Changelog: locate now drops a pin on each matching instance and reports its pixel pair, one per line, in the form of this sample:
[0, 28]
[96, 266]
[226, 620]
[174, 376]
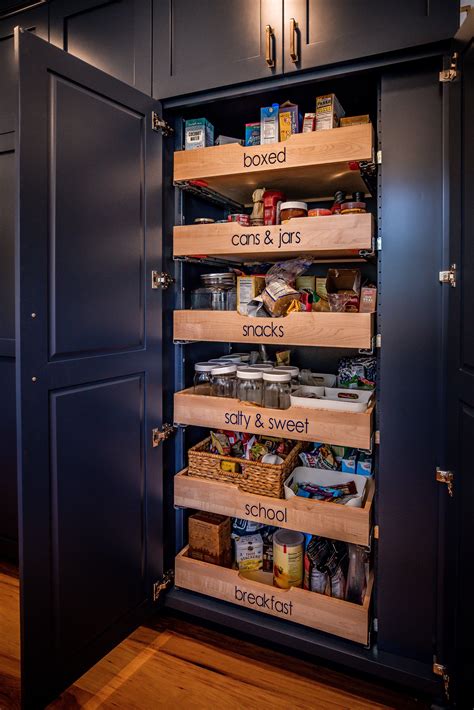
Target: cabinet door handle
[293, 41]
[270, 54]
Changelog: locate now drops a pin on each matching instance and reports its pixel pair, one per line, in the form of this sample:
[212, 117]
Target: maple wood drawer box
[209, 538]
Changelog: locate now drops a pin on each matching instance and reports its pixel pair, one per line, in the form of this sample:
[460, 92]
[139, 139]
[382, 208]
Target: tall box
[328, 112]
[209, 538]
[198, 133]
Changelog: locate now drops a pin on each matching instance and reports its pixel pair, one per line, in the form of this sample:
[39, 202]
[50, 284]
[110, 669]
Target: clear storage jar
[250, 385]
[293, 371]
[276, 389]
[202, 377]
[223, 381]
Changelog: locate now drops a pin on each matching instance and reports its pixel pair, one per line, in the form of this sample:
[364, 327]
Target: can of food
[319, 212]
[288, 553]
[243, 219]
[203, 220]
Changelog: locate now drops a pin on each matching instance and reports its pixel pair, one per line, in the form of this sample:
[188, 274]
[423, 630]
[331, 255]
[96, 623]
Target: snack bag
[279, 294]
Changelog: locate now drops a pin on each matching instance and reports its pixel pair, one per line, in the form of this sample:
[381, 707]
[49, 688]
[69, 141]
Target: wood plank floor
[9, 638]
[176, 664]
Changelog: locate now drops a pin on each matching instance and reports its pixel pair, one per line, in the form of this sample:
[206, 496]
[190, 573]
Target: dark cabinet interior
[114, 36]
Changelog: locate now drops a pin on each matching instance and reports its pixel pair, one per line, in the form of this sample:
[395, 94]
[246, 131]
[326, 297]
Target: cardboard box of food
[269, 124]
[354, 120]
[252, 133]
[345, 282]
[289, 120]
[199, 133]
[328, 112]
[210, 538]
[248, 287]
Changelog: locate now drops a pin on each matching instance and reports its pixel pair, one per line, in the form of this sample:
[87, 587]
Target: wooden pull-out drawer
[339, 522]
[324, 238]
[330, 330]
[255, 591]
[329, 426]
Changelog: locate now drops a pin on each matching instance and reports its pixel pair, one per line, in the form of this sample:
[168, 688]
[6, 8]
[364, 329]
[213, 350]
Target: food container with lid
[262, 366]
[292, 370]
[288, 552]
[249, 385]
[291, 210]
[243, 219]
[243, 357]
[319, 212]
[223, 380]
[353, 207]
[202, 377]
[204, 220]
[276, 389]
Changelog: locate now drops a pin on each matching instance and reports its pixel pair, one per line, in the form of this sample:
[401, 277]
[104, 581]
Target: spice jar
[293, 371]
[276, 389]
[290, 210]
[202, 376]
[250, 385]
[272, 200]
[223, 381]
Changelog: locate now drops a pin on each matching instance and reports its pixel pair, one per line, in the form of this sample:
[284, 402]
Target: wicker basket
[265, 479]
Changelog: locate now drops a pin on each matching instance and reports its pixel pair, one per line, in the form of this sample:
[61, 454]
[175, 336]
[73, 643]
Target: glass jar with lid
[250, 385]
[202, 376]
[276, 389]
[223, 380]
[294, 372]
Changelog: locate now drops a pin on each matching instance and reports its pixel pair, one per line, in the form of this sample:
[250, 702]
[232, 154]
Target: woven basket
[265, 479]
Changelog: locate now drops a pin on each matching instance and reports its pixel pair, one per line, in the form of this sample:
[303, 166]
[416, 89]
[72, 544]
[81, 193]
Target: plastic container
[249, 385]
[303, 474]
[292, 210]
[343, 400]
[276, 389]
[223, 381]
[272, 200]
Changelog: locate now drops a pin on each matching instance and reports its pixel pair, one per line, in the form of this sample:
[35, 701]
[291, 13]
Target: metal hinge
[162, 584]
[452, 73]
[159, 435]
[378, 340]
[379, 243]
[379, 157]
[439, 669]
[159, 124]
[448, 277]
[446, 477]
[161, 280]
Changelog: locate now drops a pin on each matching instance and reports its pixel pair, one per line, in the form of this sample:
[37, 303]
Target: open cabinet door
[89, 330]
[459, 618]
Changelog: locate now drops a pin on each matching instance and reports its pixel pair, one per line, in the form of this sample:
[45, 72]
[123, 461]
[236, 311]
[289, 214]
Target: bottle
[339, 198]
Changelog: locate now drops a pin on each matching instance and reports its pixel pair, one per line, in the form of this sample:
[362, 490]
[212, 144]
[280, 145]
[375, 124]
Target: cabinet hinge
[439, 669]
[451, 74]
[162, 584]
[159, 435]
[379, 157]
[379, 243]
[378, 340]
[159, 124]
[448, 277]
[161, 280]
[446, 477]
[377, 436]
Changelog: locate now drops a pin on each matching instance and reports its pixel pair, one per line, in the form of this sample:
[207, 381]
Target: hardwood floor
[9, 638]
[176, 664]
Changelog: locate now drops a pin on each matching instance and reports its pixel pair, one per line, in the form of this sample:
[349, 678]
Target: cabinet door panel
[88, 381]
[332, 31]
[212, 43]
[35, 20]
[114, 36]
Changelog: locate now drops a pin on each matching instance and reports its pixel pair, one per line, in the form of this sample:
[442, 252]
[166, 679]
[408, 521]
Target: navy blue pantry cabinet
[97, 522]
[88, 348]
